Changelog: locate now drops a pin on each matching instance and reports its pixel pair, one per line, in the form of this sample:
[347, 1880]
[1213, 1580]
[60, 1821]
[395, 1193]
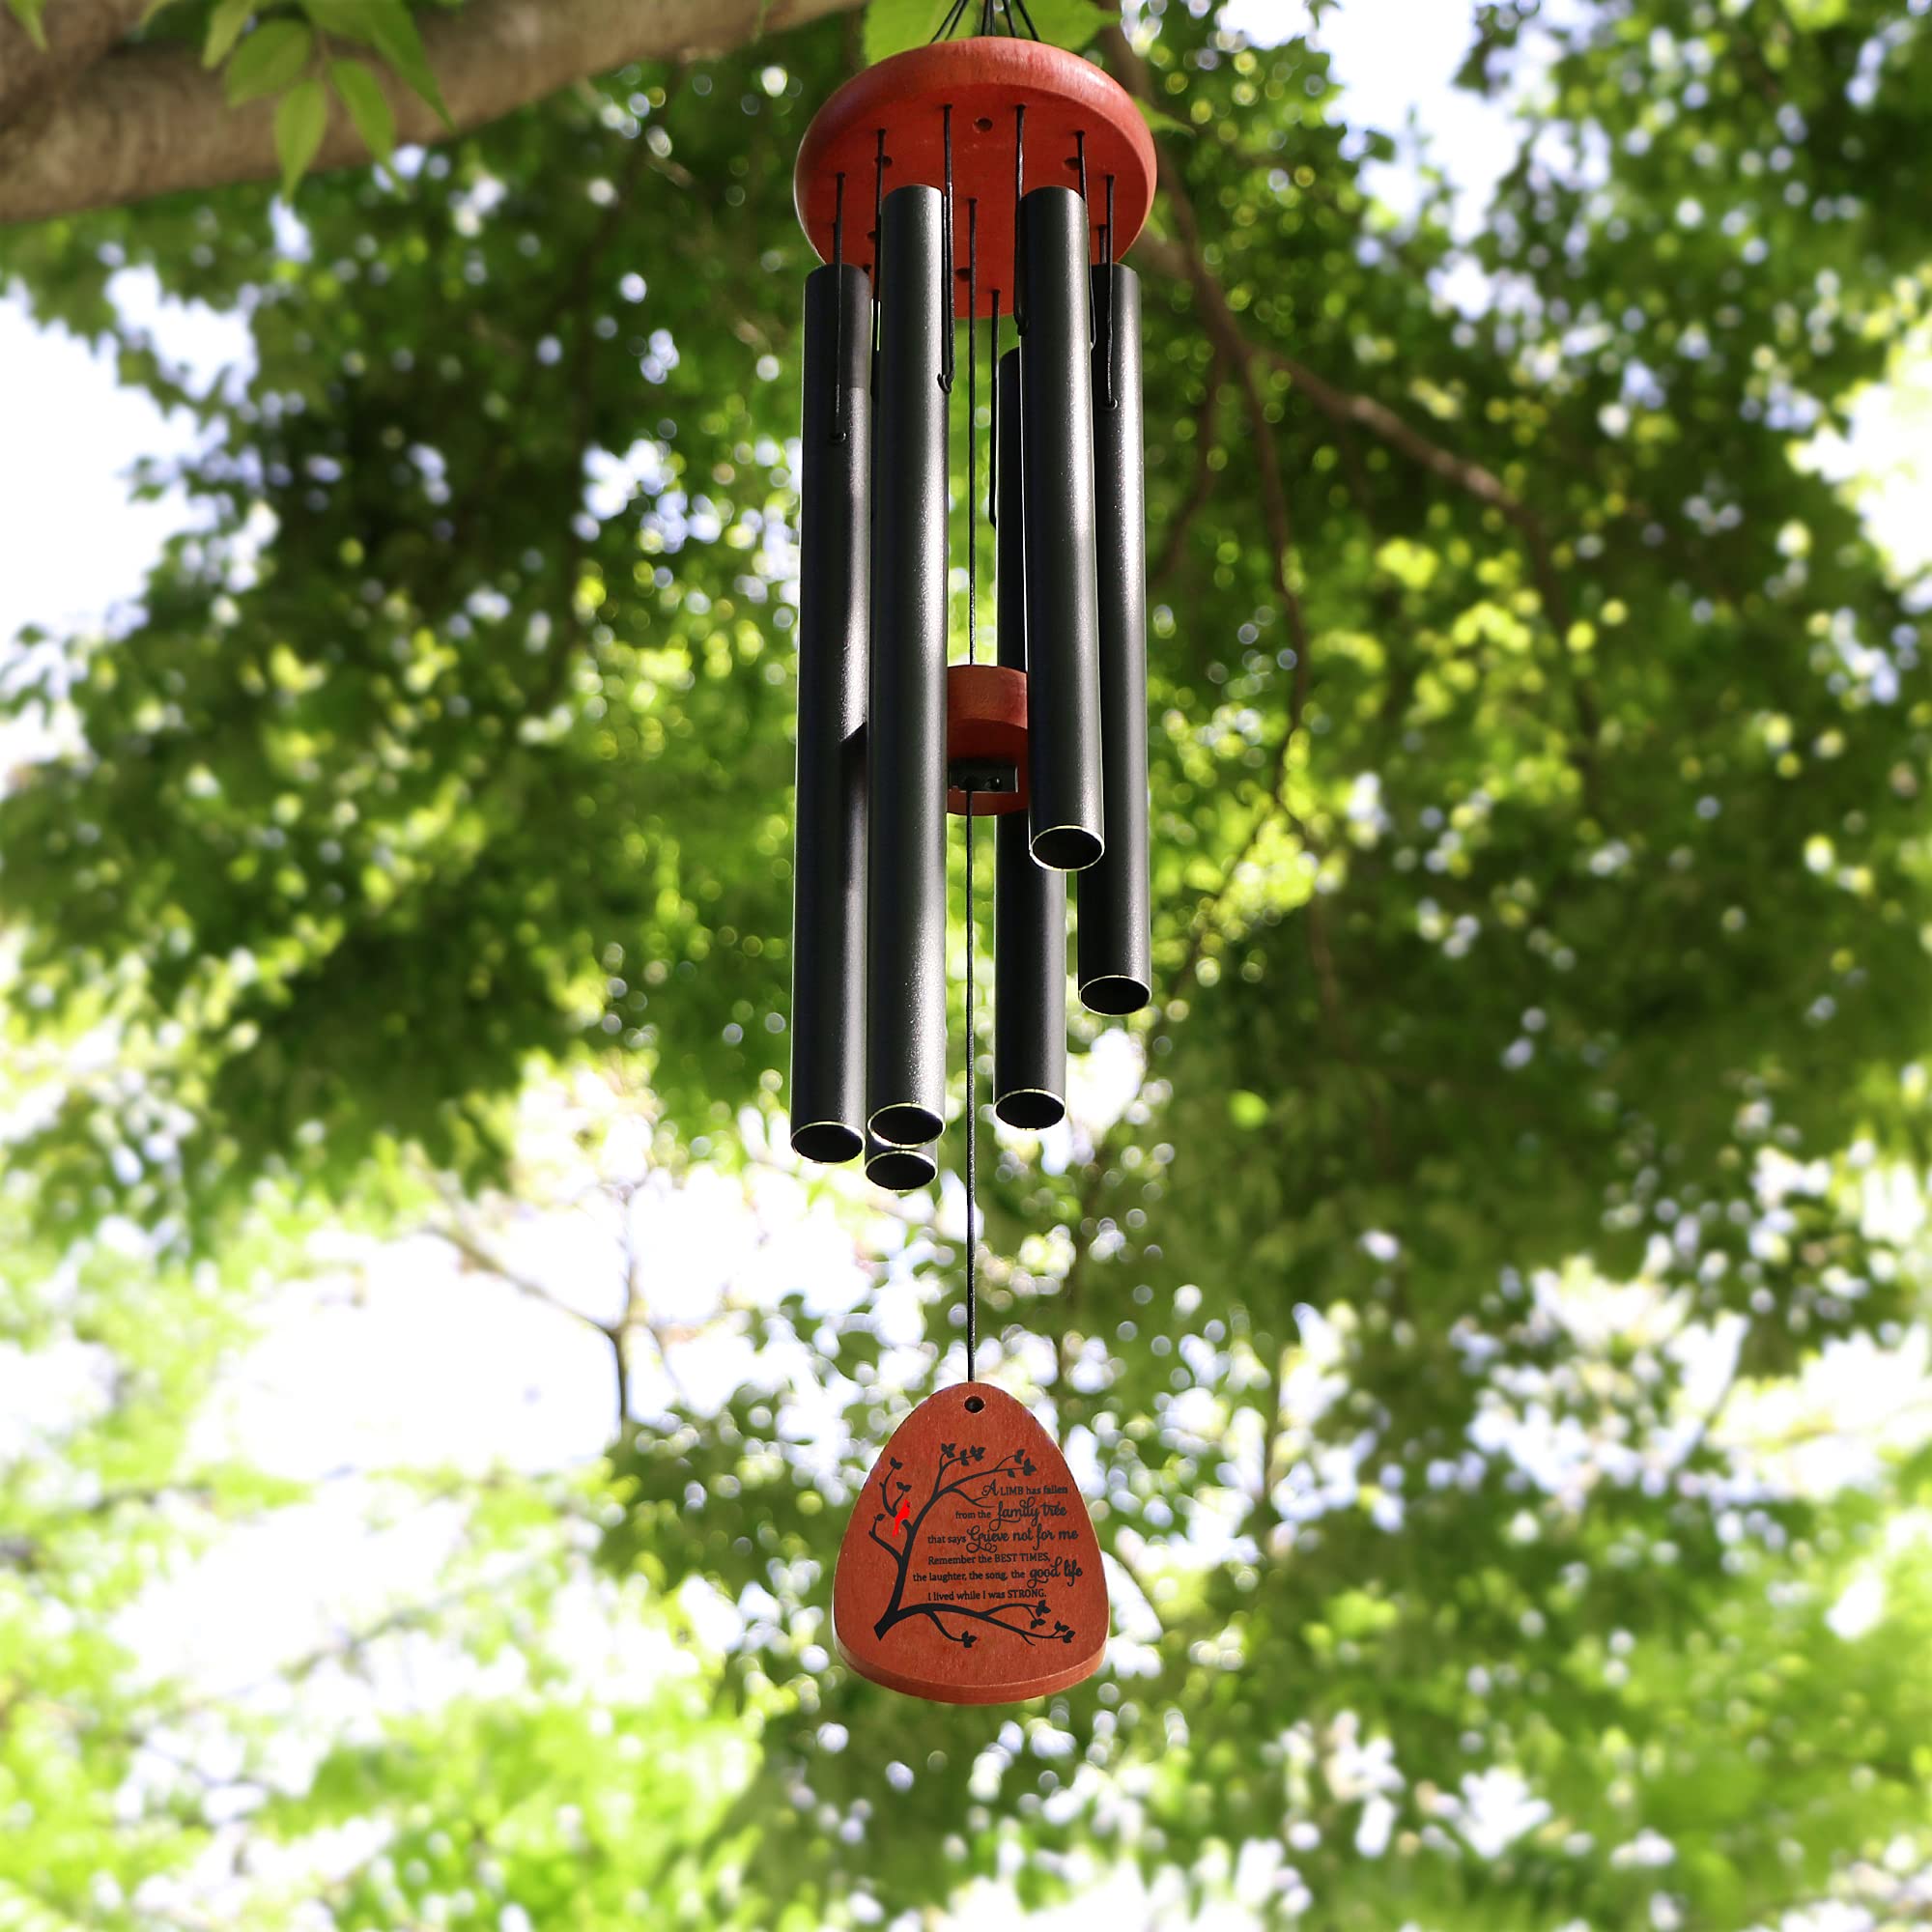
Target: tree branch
[33, 79]
[936, 1610]
[1231, 347]
[480, 1258]
[1347, 410]
[150, 120]
[1343, 409]
[1203, 474]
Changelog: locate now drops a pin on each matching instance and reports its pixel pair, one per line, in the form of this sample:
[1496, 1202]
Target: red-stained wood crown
[970, 1573]
[983, 80]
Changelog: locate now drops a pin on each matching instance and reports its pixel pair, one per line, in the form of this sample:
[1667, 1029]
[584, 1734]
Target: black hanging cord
[879, 229]
[1019, 195]
[972, 1128]
[972, 431]
[839, 310]
[1113, 400]
[1080, 152]
[993, 430]
[949, 26]
[993, 13]
[971, 657]
[946, 363]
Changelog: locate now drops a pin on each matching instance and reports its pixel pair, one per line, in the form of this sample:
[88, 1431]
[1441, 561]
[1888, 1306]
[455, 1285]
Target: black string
[1019, 196]
[838, 311]
[878, 230]
[1113, 400]
[972, 431]
[994, 15]
[993, 430]
[971, 657]
[972, 1125]
[1085, 215]
[946, 362]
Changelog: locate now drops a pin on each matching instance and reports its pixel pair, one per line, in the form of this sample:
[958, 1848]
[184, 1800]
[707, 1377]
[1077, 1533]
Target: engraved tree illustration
[964, 1473]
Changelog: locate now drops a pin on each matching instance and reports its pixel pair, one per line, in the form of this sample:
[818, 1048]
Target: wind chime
[977, 178]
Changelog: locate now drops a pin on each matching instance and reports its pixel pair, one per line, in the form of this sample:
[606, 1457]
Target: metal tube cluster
[869, 1008]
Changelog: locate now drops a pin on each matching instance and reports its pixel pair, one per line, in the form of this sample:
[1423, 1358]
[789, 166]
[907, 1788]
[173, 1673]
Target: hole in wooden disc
[974, 1404]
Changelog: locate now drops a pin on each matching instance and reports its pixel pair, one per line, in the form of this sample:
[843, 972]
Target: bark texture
[33, 79]
[116, 125]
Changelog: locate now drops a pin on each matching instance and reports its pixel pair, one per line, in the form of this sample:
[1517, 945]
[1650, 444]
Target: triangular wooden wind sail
[970, 1573]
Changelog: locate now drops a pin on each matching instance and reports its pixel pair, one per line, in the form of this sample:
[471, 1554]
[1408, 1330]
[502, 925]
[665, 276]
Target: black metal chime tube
[899, 1168]
[828, 1043]
[1063, 621]
[1115, 952]
[905, 940]
[1029, 899]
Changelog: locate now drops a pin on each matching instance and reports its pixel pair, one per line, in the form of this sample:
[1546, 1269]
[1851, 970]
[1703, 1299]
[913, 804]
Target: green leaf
[361, 93]
[1248, 1111]
[1067, 23]
[893, 26]
[348, 20]
[301, 120]
[28, 14]
[224, 29]
[268, 60]
[1160, 121]
[394, 34]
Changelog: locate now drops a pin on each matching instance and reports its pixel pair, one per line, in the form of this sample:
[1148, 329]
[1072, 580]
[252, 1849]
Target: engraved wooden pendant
[969, 1572]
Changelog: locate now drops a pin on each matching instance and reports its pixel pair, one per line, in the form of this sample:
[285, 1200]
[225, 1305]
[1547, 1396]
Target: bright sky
[404, 1360]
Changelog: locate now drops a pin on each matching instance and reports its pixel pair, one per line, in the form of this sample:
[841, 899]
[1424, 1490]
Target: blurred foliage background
[1484, 1300]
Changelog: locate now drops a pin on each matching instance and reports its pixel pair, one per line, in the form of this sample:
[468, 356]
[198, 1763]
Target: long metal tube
[1030, 900]
[1063, 620]
[899, 1168]
[905, 939]
[828, 1040]
[1115, 951]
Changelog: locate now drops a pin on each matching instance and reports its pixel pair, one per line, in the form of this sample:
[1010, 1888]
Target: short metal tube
[899, 1168]
[828, 1040]
[905, 922]
[1029, 899]
[1063, 621]
[1115, 951]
